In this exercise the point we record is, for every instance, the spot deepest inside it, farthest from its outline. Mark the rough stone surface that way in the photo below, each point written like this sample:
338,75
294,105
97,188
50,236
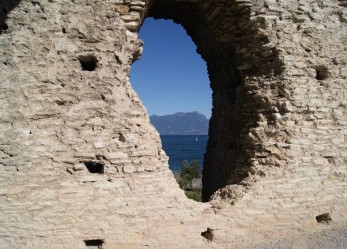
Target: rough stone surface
79,159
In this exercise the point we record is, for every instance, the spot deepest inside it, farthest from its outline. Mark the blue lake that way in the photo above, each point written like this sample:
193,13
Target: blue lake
184,147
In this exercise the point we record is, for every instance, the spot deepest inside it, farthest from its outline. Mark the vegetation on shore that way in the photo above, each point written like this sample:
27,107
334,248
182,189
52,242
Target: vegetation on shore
194,194
189,179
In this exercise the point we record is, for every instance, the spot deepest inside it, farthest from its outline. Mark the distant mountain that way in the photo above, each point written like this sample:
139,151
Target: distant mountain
181,123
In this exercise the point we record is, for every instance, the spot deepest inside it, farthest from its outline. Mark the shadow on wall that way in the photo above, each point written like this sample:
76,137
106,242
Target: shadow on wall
343,3
6,6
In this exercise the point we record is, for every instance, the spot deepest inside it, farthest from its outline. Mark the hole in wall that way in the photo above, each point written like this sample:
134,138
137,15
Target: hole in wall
95,167
3,25
208,234
324,218
118,59
177,95
322,72
88,62
94,243
121,137
60,102
217,47
225,48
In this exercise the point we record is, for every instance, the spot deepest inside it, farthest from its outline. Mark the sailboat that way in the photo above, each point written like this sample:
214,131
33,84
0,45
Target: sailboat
196,139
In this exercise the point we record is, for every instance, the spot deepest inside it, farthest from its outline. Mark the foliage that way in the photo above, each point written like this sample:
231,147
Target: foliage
188,173
194,195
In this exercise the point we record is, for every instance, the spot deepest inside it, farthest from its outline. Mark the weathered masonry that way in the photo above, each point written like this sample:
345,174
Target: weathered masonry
82,167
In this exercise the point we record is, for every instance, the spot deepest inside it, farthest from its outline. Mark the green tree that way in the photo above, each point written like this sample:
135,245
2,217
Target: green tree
194,169
188,173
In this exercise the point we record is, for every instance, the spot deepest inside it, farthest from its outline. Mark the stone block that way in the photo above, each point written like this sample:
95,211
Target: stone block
129,169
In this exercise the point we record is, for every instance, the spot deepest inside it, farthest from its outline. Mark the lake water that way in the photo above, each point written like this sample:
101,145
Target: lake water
184,147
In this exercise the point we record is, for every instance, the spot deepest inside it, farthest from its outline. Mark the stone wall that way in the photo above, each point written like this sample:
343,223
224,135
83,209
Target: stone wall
67,103
81,165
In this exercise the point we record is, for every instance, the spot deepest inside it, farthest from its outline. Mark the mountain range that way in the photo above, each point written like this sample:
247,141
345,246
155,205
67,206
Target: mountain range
181,123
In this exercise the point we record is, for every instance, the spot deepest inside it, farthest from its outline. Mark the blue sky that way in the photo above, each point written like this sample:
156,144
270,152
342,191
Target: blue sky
170,77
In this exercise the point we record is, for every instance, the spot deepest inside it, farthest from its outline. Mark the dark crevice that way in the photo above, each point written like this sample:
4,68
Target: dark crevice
95,167
343,3
3,25
88,62
208,234
322,72
94,243
60,102
323,218
122,138
118,59
6,7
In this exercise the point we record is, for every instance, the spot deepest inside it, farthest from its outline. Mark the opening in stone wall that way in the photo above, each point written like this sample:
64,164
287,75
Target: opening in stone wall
217,47
95,167
94,243
235,51
324,218
88,62
172,81
322,72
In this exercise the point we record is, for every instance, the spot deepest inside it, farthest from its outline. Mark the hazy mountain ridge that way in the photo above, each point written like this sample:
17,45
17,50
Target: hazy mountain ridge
181,123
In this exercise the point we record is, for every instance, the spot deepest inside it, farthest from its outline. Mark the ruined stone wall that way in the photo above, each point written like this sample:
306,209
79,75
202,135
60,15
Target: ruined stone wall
67,103
302,132
80,160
